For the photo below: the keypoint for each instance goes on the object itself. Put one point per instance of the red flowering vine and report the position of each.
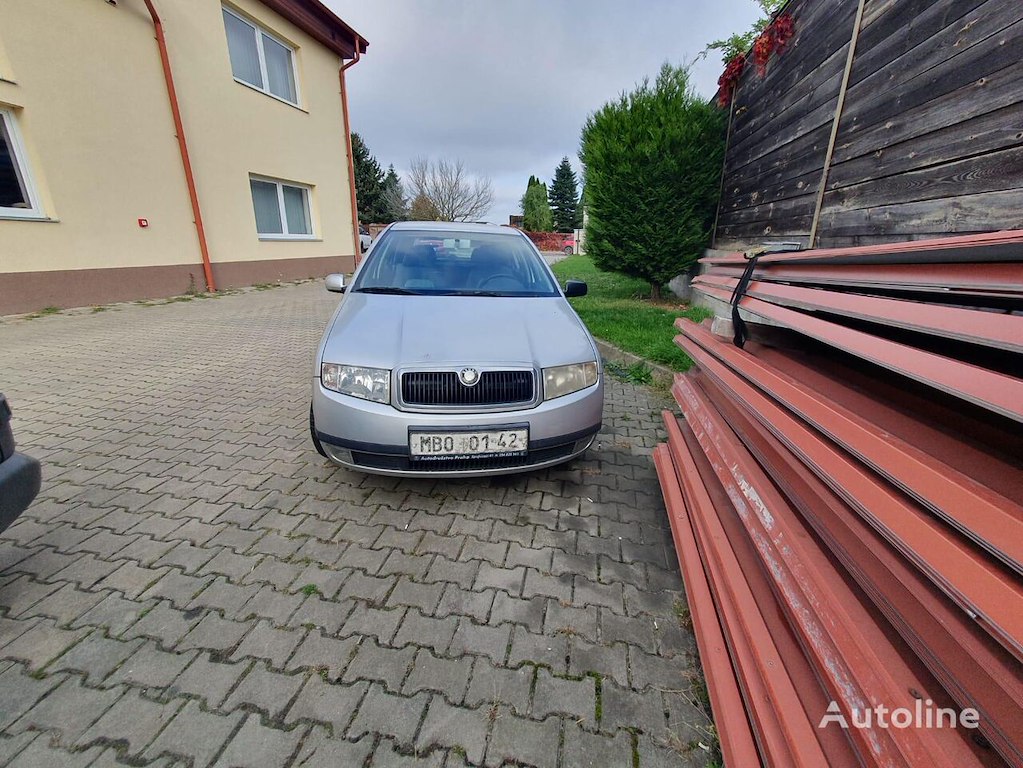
(773, 39)
(729, 78)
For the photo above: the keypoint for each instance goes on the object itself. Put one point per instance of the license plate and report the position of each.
(459, 445)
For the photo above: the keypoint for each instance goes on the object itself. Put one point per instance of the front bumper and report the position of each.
(373, 437)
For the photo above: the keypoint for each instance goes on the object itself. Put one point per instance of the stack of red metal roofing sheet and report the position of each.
(846, 505)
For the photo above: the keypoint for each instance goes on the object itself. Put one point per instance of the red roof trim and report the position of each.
(320, 23)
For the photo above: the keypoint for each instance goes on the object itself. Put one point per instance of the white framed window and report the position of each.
(260, 60)
(18, 196)
(282, 209)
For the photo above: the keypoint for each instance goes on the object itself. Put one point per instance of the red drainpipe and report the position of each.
(348, 148)
(182, 146)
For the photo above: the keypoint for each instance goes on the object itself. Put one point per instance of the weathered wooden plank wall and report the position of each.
(930, 136)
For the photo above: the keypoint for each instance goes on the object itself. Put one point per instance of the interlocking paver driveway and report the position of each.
(195, 585)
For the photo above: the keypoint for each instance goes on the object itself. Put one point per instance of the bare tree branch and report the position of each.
(456, 194)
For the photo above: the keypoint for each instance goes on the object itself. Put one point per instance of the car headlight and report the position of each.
(368, 383)
(566, 379)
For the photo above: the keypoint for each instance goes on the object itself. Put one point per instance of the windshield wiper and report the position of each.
(391, 289)
(481, 293)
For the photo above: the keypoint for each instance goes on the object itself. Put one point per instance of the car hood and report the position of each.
(382, 331)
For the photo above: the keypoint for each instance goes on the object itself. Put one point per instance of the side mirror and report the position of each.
(575, 288)
(335, 283)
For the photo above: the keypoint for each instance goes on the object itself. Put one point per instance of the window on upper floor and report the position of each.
(18, 198)
(282, 209)
(259, 59)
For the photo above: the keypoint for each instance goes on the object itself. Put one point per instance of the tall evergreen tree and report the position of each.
(536, 212)
(652, 161)
(369, 183)
(564, 197)
(395, 201)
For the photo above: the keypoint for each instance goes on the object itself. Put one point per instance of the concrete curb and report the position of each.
(610, 352)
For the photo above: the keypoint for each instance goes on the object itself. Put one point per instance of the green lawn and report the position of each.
(618, 309)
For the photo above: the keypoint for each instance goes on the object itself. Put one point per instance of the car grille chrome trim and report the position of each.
(443, 389)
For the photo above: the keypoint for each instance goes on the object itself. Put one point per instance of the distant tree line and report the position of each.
(558, 209)
(435, 190)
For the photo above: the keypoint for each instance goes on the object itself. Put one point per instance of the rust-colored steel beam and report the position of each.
(784, 735)
(993, 521)
(737, 744)
(985, 589)
(998, 330)
(1002, 280)
(975, 670)
(988, 246)
(859, 665)
(994, 391)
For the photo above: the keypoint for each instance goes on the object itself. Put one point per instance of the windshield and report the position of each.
(449, 263)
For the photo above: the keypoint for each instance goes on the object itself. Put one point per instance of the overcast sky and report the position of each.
(506, 87)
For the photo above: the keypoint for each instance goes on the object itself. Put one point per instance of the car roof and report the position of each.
(455, 226)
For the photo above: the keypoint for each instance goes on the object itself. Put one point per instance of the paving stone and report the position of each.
(529, 613)
(270, 604)
(426, 631)
(475, 638)
(649, 670)
(494, 685)
(95, 656)
(180, 589)
(132, 579)
(422, 596)
(461, 573)
(456, 728)
(609, 596)
(589, 750)
(66, 604)
(195, 734)
(40, 644)
(328, 582)
(19, 692)
(264, 689)
(328, 616)
(323, 654)
(381, 623)
(622, 708)
(551, 651)
(571, 622)
(605, 660)
(389, 754)
(208, 680)
(213, 633)
(22, 593)
(151, 667)
(188, 557)
(445, 676)
(258, 746)
(117, 615)
(374, 662)
(575, 698)
(226, 597)
(372, 589)
(266, 642)
(329, 703)
(69, 709)
(496, 577)
(40, 754)
(384, 713)
(319, 749)
(464, 602)
(525, 741)
(133, 719)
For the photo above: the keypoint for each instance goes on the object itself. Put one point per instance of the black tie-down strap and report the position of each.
(738, 324)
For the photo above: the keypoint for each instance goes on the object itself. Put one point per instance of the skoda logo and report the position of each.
(469, 376)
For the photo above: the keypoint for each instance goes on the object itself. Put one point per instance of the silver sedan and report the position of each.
(454, 353)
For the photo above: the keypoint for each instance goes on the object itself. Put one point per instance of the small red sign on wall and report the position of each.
(143, 223)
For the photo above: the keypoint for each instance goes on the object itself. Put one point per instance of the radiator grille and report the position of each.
(444, 388)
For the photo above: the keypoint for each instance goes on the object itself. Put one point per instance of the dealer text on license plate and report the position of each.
(447, 445)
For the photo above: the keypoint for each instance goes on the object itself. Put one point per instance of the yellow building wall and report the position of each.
(234, 130)
(91, 103)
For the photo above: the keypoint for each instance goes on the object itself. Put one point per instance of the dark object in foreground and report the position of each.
(20, 475)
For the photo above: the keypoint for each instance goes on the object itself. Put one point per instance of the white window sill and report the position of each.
(6, 215)
(292, 238)
(273, 96)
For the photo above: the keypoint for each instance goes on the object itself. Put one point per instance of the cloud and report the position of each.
(507, 87)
